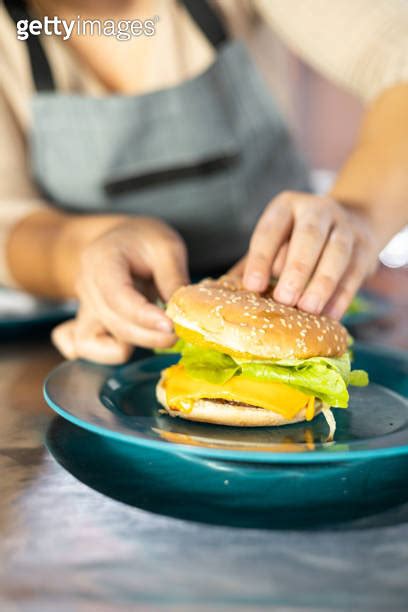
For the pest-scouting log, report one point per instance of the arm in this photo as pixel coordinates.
(374, 178)
(44, 249)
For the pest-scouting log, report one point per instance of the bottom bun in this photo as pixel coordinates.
(235, 415)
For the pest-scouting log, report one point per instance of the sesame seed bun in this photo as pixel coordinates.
(223, 315)
(229, 413)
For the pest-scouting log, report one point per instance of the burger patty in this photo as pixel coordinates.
(225, 401)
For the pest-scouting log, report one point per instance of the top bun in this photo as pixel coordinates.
(221, 314)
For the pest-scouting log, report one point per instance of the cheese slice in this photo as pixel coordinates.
(182, 391)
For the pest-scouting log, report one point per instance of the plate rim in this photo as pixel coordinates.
(310, 457)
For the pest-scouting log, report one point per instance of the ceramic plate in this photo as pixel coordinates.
(120, 403)
(288, 477)
(20, 311)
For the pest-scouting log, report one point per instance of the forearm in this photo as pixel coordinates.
(44, 250)
(375, 176)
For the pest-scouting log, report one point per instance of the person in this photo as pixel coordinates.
(124, 165)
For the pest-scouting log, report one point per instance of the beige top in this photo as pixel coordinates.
(359, 44)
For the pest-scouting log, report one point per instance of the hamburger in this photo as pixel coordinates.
(249, 361)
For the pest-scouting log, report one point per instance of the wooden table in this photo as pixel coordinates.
(66, 547)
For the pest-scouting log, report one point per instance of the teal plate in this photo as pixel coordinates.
(287, 477)
(22, 314)
(120, 403)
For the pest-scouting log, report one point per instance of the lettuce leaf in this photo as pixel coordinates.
(341, 364)
(177, 347)
(324, 377)
(358, 378)
(314, 379)
(209, 365)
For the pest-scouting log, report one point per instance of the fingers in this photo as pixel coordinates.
(332, 265)
(238, 268)
(115, 316)
(169, 267)
(104, 337)
(136, 335)
(149, 331)
(107, 279)
(320, 250)
(277, 265)
(280, 260)
(115, 290)
(352, 280)
(85, 339)
(269, 234)
(124, 313)
(63, 337)
(306, 244)
(93, 342)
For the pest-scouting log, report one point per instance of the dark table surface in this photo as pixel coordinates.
(64, 546)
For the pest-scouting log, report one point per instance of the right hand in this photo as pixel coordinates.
(138, 260)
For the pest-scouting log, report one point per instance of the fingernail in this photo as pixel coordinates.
(311, 303)
(163, 325)
(254, 282)
(286, 295)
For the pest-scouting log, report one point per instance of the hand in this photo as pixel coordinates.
(139, 259)
(321, 252)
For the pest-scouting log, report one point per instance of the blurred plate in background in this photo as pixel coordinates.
(366, 308)
(20, 312)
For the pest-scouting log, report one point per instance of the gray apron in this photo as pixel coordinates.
(205, 156)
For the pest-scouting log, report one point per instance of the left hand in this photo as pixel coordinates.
(320, 250)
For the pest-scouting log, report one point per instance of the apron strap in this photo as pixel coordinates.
(207, 20)
(200, 11)
(41, 71)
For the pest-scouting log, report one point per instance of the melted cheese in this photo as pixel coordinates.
(182, 391)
